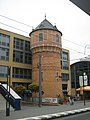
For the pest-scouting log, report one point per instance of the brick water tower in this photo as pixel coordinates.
(45, 41)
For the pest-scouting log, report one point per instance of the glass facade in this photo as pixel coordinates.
(64, 61)
(18, 56)
(65, 76)
(4, 53)
(4, 46)
(18, 44)
(22, 53)
(78, 69)
(22, 73)
(4, 40)
(3, 71)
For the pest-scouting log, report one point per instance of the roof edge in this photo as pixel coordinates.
(45, 29)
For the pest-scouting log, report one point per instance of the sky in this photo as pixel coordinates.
(69, 19)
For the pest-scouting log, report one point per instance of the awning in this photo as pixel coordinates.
(86, 88)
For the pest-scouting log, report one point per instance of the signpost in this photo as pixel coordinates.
(83, 81)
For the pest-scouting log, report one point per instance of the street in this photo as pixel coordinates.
(27, 111)
(81, 116)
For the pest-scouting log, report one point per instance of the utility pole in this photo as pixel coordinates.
(84, 84)
(83, 92)
(8, 95)
(40, 80)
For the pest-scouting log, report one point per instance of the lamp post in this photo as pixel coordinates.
(83, 82)
(40, 80)
(83, 91)
(86, 46)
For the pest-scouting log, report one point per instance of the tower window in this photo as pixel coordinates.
(41, 36)
(57, 38)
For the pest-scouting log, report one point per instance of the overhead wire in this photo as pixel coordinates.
(16, 21)
(36, 35)
(73, 42)
(13, 27)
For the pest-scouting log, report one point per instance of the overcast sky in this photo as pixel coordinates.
(69, 19)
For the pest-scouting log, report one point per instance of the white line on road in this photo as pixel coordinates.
(55, 115)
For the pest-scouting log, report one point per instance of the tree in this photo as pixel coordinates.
(19, 89)
(34, 88)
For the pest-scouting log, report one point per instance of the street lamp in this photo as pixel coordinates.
(83, 82)
(40, 82)
(86, 46)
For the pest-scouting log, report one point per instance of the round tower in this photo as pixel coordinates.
(45, 41)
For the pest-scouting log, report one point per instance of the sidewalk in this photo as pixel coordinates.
(29, 112)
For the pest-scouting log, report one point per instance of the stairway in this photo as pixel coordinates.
(13, 98)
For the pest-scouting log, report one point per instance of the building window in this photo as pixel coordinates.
(27, 46)
(65, 77)
(3, 71)
(4, 40)
(65, 56)
(57, 38)
(65, 65)
(18, 43)
(41, 36)
(64, 62)
(28, 58)
(22, 53)
(22, 73)
(18, 56)
(64, 86)
(4, 54)
(64, 89)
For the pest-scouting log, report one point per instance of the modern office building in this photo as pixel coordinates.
(15, 53)
(65, 72)
(24, 55)
(80, 68)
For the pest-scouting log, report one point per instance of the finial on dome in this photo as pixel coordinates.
(45, 15)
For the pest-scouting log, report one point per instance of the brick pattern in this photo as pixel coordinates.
(50, 61)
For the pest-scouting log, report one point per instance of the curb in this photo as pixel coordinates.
(56, 115)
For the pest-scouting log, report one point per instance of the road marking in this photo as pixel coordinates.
(55, 115)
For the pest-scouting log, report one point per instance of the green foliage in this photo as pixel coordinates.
(19, 89)
(34, 87)
(65, 98)
(60, 101)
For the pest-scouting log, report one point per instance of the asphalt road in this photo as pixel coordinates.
(28, 111)
(81, 116)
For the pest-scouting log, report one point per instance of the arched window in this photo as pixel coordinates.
(41, 36)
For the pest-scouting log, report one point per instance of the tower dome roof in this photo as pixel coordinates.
(45, 24)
